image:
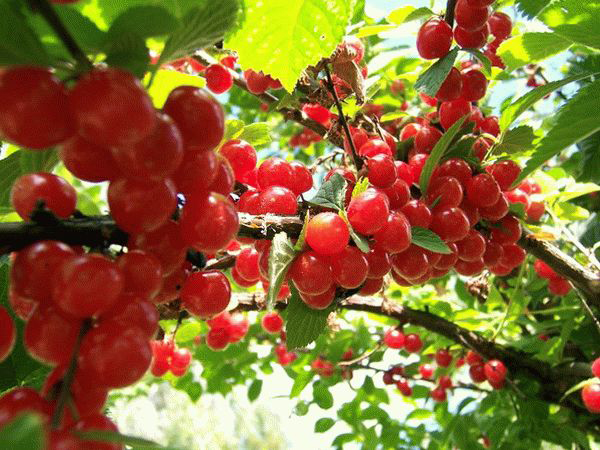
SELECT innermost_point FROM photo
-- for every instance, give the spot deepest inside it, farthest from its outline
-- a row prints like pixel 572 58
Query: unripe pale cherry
pixel 327 233
pixel 206 294
pixel 434 39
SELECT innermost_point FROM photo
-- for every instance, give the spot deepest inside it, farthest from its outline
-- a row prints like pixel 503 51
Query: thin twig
pixel 342 118
pixel 49 14
pixel 449 17
pixel 586 306
pixel 361 357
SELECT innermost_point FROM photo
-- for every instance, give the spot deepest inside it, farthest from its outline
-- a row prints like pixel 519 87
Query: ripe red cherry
pixel 596 367
pixel 21 400
pixel 238 327
pixel 394 338
pixel 277 200
pixel 224 181
pixel 450 224
pixel 451 111
pixel 404 388
pixel 416 164
pixel 88 161
pixel 274 172
pixel 371 286
pixel 512 255
pixel 443 358
pixel 468 17
pixel 507 231
pixel 56 194
pixel 272 322
pixel 34 112
pixel 218 78
pixel 448 261
pixel 535 211
pixel 505 173
pixel 472 247
pixel 197 171
pixel 500 25
pixel 495 371
pixel 381 171
pixel 426 371
pixel 135 312
pixel 455 167
pixel 97 422
pixel 112 108
pixel 368 212
pixel 477 373
pixel 438 395
pixel 180 361
pixel 311 273
pixel 451 87
pixel 302 178
pixel 483 190
pixel 165 243
pixel 246 264
pixel 544 270
pixel 327 233
pixel 395 236
pixel 559 286
pixel 8 334
pixel 445 192
pixel 206 294
pixel 208 222
pixel 349 268
pixel 319 301
pixel 469 268
pixel 417 213
pixel 413 343
pixel 375 147
pixel 473 358
pixel 379 262
pixel 87 285
pixel 445 382
pixel 142 273
pixel 434 39
pixel 317 112
pixel 154 157
pixel 198 116
pixel 241 157
pixel 217 339
pixel 474 85
pixel 480 3
pixel 256 82
pixel 411 263
pixel 490 125
pixel 129 202
pixel 426 138
pixel 590 395
pixel 472 39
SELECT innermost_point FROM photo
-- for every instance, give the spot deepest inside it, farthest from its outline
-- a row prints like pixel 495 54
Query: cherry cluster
pixel 167 357
pixel 557 285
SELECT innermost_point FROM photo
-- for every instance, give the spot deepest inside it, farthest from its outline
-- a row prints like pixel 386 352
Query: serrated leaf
pixel 18 42
pixel 361 186
pixel 167 80
pixel 427 239
pixel 280 259
pixel 303 324
pixel 26 432
pixel 530 8
pixel 254 389
pixel 578 386
pixel 522 104
pixel 388 117
pixel 438 152
pixel 301 381
pixel 331 193
pixel 407 14
pixel 464 150
pixel 299 246
pixel 256 134
pixel 233 128
pixel 517 140
pixel 145 21
pixel 430 81
pixel 200 27
pixel 283 38
pixel 575 20
pixel 128 51
pixel 187 332
pixel 581 110
pixel 323 424
pixel 484 60
pixel 530 48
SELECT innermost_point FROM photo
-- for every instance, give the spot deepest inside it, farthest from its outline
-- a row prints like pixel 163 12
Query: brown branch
pixel 449 17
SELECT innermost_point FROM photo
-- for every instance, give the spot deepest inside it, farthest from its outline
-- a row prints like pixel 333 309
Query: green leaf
pixel 388 117
pixel 530 48
pixel 407 14
pixel 200 27
pixel 570 212
pixel 517 140
pixel 283 38
pixel 167 80
pixel 128 51
pixel 256 134
pixel 438 152
pixel 361 186
pixel 332 193
pixel 299 245
pixel 324 424
pixel 301 381
pixel 484 60
pixel 10 170
pixel 517 209
pixel 187 332
pixel 429 82
pixel 361 242
pixel 112 436
pixel 254 389
pixel 145 21
pixel 522 104
pixel 26 432
pixel 530 8
pixel 322 396
pixel 578 386
pixel 576 120
pixel 427 239
pixel 233 128
pixel 280 259
pixel 420 414
pixel 371 30
pixel 18 43
pixel 36 161
pixel 303 324
pixel 572 191
pixel 575 20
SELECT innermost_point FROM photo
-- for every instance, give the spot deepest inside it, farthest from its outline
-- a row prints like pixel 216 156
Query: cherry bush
pixel 167 167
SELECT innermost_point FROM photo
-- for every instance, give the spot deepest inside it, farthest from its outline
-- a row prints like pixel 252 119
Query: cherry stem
pixel 449 17
pixel 342 118
pixel 67 381
pixel 49 14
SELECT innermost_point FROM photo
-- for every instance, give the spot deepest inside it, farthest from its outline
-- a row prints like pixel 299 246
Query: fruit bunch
pixel 557 285
pixel 167 357
pixel 225 329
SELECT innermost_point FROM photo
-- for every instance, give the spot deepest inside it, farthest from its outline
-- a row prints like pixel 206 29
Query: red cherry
pixel 559 286
pixel 218 78
pixel 474 85
pixel 375 147
pixel 500 25
pixel 490 125
pixel 404 388
pixel 256 82
pixel 198 116
pixel 224 181
pixel 246 264
pixel 21 400
pixel 349 268
pixel 434 39
pixel 165 243
pixel 468 17
pixel 451 87
pixel 473 358
pixel 448 261
pixel 512 255
pixel 208 222
pixel 493 253
pixel 132 311
pixel 495 371
pixel 417 213
pixel 483 190
pixel 469 268
pixel 444 192
pixel 311 273
pixel 368 212
pixel 206 294
pixel 88 161
pixel 544 270
pixel 394 338
pixel 535 211
pixel 56 194
pixel 272 322
pixel 506 231
pixel 472 39
pixel 274 172
pixel 426 138
pixel 413 343
pixel 21 306
pixel 379 262
pixel 87 285
pixel 371 286
pixel 395 236
pixel 590 395
pixel 277 200
pixel 596 367
pixel 142 273
pixel 472 247
pixel 450 224
pixel 317 112
pixel 238 327
pixel 302 178
pixel 451 111
pixel 477 373
pixel 480 3
pixel 327 233
pixel 381 171
pixel 505 173
pixel 445 382
pixel 154 157
pixel 197 171
pixel 34 112
pixel 443 358
pixel 180 362
pixel 8 334
pixel 217 339
pixel 240 155
pixel 416 164
pixel 497 211
pixel 426 371
pixel 411 264
pixel 112 108
pixel 319 301
pixel 438 395
pixel 97 422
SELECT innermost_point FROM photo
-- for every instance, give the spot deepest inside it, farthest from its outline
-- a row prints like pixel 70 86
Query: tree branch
pixel 449 17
